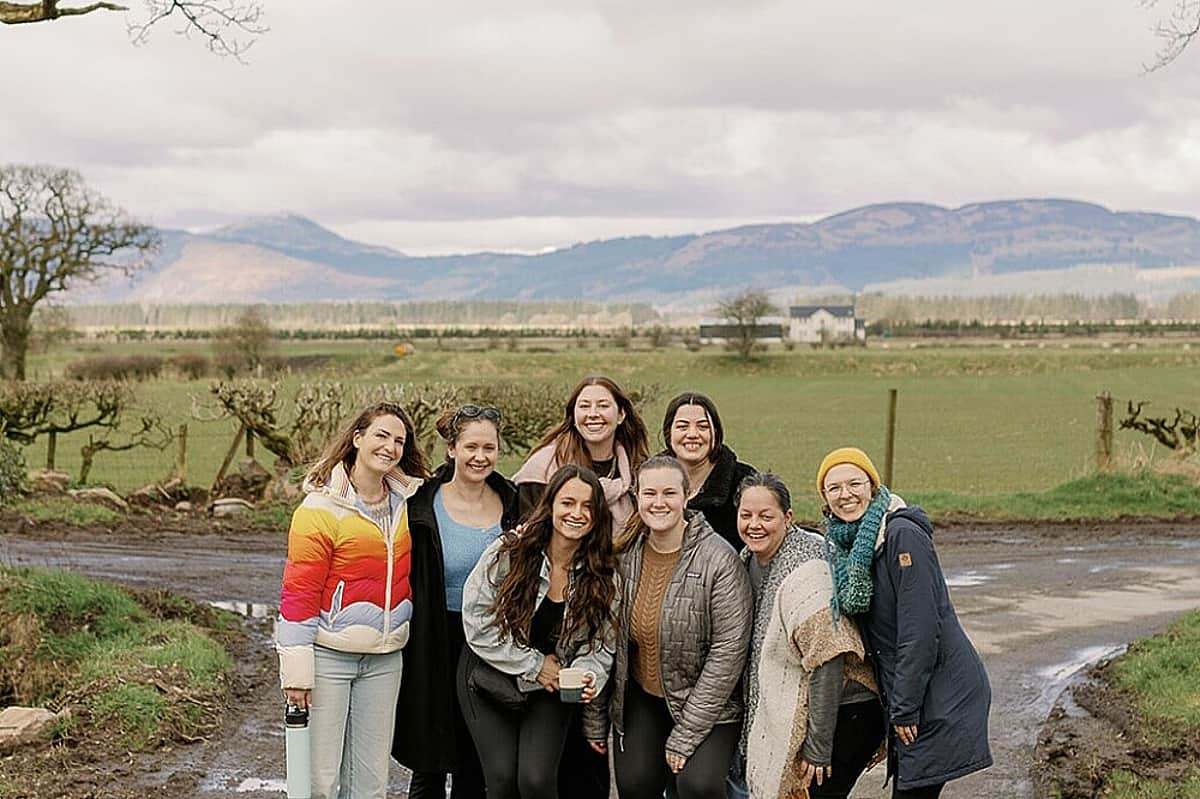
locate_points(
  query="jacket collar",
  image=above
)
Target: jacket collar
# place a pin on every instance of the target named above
(339, 488)
(719, 487)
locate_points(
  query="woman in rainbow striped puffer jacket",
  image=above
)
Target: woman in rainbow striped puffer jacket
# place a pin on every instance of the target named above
(345, 605)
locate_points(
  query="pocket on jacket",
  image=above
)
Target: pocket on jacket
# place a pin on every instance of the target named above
(335, 601)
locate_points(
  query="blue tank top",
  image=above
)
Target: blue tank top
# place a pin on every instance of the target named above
(461, 547)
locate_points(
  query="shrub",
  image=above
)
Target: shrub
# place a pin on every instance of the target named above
(115, 367)
(12, 470)
(192, 365)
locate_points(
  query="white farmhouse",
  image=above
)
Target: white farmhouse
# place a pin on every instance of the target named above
(825, 323)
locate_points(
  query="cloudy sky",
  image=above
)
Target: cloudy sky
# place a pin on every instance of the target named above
(537, 123)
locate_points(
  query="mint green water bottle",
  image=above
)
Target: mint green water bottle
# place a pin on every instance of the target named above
(299, 779)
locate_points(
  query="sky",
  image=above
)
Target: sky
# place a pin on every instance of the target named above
(534, 124)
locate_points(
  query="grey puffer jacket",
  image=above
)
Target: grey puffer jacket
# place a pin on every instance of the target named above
(704, 636)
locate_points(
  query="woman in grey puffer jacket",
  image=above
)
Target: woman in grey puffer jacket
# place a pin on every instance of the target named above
(685, 630)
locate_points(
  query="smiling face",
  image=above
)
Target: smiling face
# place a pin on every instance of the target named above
(475, 450)
(380, 446)
(661, 499)
(597, 417)
(691, 434)
(761, 522)
(847, 491)
(571, 513)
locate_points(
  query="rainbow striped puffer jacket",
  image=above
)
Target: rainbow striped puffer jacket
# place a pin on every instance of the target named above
(345, 584)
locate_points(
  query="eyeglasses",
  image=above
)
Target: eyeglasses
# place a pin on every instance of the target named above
(466, 412)
(851, 487)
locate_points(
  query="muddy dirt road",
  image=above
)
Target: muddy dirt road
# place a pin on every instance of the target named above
(1040, 603)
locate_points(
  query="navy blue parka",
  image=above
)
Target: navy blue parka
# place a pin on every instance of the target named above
(929, 673)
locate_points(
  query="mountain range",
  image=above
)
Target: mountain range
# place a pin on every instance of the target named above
(288, 258)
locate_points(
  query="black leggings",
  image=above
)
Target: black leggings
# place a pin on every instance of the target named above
(926, 792)
(468, 777)
(855, 740)
(640, 756)
(519, 751)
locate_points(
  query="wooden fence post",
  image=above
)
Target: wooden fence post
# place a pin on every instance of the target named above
(233, 448)
(889, 445)
(181, 464)
(51, 450)
(1104, 431)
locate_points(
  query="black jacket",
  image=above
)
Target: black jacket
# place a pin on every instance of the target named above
(716, 497)
(424, 737)
(929, 673)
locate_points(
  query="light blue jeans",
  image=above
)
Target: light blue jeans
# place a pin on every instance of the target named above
(350, 723)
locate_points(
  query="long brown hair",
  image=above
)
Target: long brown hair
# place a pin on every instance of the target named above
(631, 434)
(341, 448)
(591, 592)
(635, 527)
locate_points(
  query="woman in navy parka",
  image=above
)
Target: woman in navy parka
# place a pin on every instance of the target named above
(932, 682)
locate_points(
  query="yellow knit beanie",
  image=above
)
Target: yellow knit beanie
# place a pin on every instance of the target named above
(852, 455)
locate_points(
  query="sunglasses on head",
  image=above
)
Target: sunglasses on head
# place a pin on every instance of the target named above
(467, 412)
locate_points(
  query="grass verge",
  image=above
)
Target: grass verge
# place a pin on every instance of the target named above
(135, 674)
(1159, 673)
(1127, 785)
(64, 509)
(1143, 493)
(1162, 672)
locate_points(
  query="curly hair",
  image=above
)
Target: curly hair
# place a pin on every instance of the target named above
(590, 594)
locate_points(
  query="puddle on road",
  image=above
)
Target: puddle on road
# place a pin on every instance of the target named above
(1059, 676)
(999, 623)
(251, 610)
(254, 784)
(968, 579)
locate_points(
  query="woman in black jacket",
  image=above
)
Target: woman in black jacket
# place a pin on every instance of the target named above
(693, 434)
(453, 517)
(932, 682)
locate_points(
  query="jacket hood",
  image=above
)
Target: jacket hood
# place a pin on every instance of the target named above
(915, 514)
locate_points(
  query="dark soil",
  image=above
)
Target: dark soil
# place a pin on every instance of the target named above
(1077, 750)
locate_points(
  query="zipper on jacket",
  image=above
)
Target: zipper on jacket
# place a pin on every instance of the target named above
(661, 673)
(389, 536)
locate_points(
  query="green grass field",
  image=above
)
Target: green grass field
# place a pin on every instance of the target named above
(976, 422)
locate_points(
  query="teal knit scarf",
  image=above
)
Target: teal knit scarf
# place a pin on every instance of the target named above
(850, 547)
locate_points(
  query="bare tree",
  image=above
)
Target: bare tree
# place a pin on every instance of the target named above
(743, 311)
(55, 233)
(227, 27)
(246, 346)
(1175, 31)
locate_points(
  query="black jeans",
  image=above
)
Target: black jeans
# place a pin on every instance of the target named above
(519, 751)
(855, 740)
(468, 777)
(640, 756)
(926, 792)
(583, 772)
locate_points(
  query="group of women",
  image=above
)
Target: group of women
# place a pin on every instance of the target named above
(596, 606)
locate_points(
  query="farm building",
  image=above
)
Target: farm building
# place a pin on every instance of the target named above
(767, 330)
(822, 323)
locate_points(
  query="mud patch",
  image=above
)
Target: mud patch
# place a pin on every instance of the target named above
(1096, 728)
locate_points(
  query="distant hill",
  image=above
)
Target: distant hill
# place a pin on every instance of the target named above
(288, 258)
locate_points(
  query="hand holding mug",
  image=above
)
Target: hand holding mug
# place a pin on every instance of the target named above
(575, 685)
